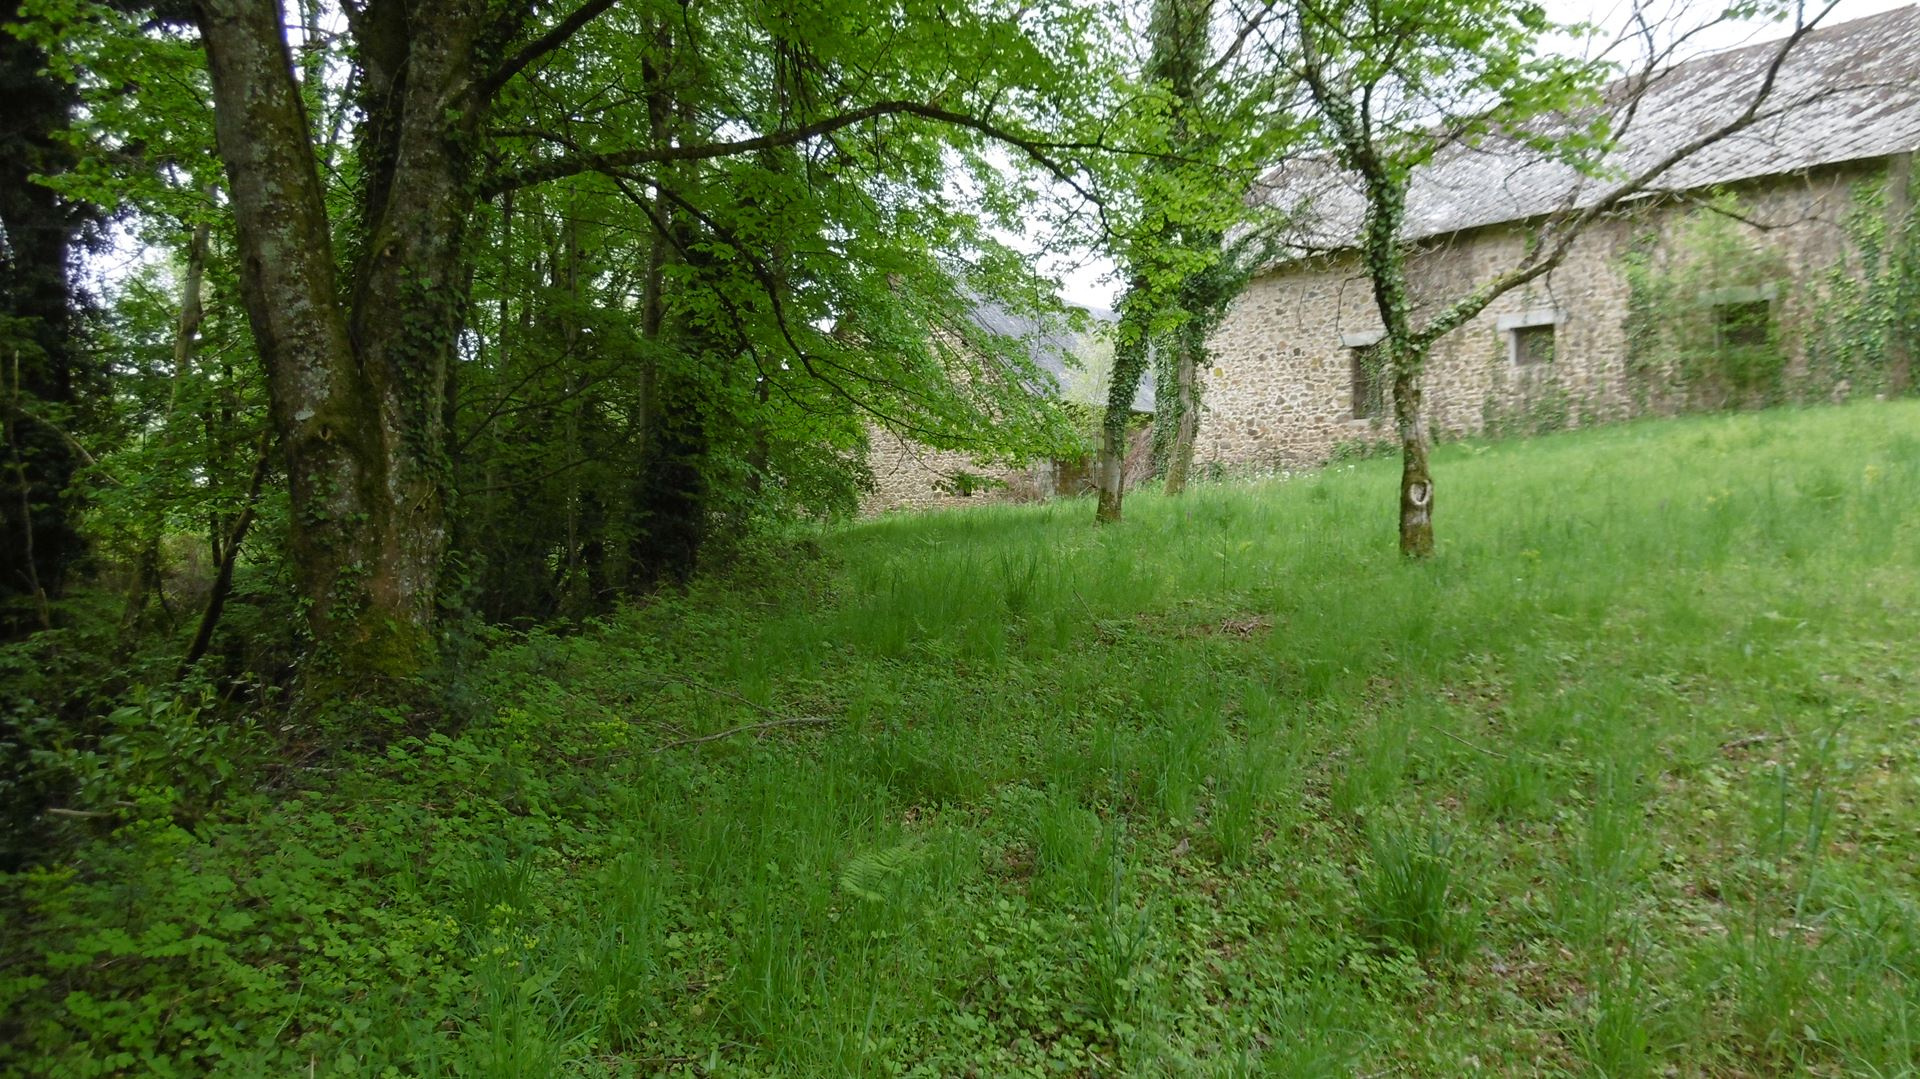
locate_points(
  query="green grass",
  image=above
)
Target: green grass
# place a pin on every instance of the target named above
(1622, 782)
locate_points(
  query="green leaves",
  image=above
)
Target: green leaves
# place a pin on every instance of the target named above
(870, 874)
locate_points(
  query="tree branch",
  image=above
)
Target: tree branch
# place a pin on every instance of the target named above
(802, 721)
(484, 90)
(1570, 230)
(1038, 150)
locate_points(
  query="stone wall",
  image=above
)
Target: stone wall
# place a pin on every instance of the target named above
(1280, 391)
(910, 476)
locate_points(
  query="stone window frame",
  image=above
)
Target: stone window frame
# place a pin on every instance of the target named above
(1357, 345)
(1719, 301)
(1510, 327)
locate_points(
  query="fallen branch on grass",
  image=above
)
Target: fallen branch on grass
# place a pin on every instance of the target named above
(803, 721)
(1470, 745)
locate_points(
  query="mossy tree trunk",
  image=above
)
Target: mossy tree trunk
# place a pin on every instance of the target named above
(1189, 349)
(1130, 353)
(1384, 255)
(357, 362)
(1416, 481)
(1406, 353)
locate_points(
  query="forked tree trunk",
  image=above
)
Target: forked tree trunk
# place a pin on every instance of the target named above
(356, 369)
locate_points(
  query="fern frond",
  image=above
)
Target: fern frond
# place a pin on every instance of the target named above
(869, 873)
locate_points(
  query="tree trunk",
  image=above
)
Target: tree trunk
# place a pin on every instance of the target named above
(186, 328)
(1130, 353)
(1186, 424)
(1406, 354)
(670, 497)
(186, 336)
(39, 364)
(356, 375)
(230, 555)
(1109, 473)
(1416, 481)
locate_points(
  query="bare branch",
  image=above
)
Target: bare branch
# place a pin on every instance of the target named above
(1040, 151)
(485, 89)
(1568, 230)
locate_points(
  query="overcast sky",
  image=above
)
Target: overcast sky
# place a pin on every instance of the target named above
(1092, 283)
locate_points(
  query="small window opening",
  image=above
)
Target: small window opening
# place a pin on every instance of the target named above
(1743, 325)
(1369, 382)
(1533, 345)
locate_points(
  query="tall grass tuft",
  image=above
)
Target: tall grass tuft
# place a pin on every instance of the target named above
(1412, 892)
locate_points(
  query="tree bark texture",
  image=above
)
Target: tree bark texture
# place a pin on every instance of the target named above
(356, 369)
(1416, 481)
(1186, 402)
(1406, 353)
(1129, 364)
(39, 365)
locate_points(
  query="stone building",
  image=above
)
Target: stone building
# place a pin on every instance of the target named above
(912, 476)
(1741, 281)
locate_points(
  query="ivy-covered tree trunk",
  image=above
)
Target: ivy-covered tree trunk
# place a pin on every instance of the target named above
(356, 369)
(1416, 481)
(1130, 353)
(1189, 348)
(1393, 85)
(1406, 349)
(1184, 249)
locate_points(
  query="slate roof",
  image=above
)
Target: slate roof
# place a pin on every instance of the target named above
(1847, 92)
(1059, 353)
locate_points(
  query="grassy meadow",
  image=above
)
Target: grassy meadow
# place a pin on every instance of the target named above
(1626, 781)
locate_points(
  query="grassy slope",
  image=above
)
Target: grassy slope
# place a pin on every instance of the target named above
(1624, 778)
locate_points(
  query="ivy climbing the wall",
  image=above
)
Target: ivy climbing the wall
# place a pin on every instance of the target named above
(1707, 324)
(1717, 319)
(1866, 320)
